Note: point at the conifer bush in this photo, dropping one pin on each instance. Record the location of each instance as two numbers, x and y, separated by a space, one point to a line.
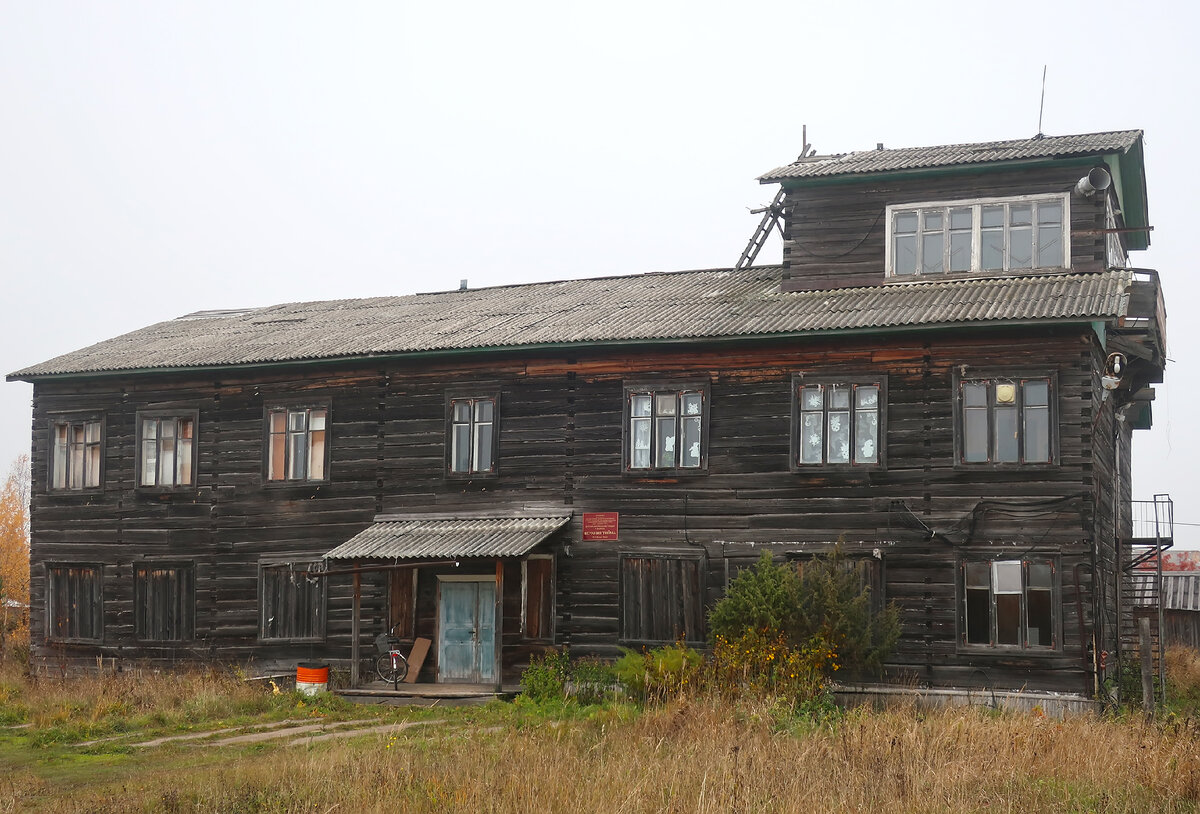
824 608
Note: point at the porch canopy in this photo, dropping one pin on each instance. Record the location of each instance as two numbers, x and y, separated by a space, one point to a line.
443 537
426 539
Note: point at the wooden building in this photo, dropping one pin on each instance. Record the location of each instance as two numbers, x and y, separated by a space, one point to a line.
944 374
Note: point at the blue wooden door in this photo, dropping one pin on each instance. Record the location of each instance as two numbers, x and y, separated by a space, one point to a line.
467 632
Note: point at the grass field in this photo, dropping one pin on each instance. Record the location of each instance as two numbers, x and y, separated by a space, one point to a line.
689 755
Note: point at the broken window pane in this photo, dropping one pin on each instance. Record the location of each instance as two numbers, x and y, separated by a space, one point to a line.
904 254
931 253
1020 248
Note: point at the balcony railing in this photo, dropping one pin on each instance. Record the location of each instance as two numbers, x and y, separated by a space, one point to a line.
1153 521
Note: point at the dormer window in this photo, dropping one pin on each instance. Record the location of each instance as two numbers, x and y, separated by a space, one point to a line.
992 234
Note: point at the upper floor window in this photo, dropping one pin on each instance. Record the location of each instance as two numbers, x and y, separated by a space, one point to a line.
296 448
666 428
166 451
75 454
1005 420
472 435
995 234
1009 603
837 423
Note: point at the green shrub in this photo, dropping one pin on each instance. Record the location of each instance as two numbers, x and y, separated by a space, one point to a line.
827 605
546 677
836 606
656 675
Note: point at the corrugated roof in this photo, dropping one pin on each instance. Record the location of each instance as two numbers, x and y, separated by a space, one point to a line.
711 304
415 537
1181 590
911 158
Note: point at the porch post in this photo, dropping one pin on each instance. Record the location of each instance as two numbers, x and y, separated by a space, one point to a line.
354 625
499 655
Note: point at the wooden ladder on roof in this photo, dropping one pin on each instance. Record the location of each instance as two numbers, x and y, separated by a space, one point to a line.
770 220
771 214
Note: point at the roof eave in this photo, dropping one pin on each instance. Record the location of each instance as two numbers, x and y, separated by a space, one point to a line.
374 358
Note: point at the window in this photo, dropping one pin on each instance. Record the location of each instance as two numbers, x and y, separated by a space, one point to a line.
837 423
472 431
1009 603
662 599
166 452
164 601
537 597
666 428
75 454
868 569
296 448
291 601
74 602
997 234
1005 420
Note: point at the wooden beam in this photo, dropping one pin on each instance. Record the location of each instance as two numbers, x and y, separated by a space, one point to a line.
354 629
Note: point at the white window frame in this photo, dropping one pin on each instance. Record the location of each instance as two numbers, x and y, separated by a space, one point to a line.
976 205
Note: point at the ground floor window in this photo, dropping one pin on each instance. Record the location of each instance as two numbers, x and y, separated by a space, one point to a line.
74 602
661 599
537 597
291 601
164 599
1010 603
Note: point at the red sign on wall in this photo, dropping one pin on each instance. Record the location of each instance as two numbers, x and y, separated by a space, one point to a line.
600 525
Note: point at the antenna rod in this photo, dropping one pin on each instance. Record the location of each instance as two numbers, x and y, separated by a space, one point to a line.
1042 104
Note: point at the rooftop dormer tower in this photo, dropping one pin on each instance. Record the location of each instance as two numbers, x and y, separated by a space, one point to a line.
1044 205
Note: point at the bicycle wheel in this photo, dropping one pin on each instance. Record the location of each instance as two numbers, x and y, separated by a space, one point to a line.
391 667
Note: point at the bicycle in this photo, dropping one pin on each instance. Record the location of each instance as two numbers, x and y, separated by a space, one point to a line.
390 664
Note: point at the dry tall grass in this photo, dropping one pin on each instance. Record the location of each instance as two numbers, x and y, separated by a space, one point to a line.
705 756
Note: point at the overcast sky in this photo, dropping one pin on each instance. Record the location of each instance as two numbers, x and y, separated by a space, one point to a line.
159 158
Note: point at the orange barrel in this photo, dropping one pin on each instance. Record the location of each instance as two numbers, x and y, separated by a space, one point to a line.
312 677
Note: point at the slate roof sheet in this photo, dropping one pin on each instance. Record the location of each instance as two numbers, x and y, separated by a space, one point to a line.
689 305
432 538
912 158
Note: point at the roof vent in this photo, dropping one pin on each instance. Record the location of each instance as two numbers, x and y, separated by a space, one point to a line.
879 145
462 285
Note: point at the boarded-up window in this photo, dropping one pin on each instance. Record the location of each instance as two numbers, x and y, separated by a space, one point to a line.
402 598
1009 603
537 615
291 601
164 601
74 602
75 454
662 599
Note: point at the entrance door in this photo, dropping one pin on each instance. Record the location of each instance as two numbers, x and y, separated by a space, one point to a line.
467 632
